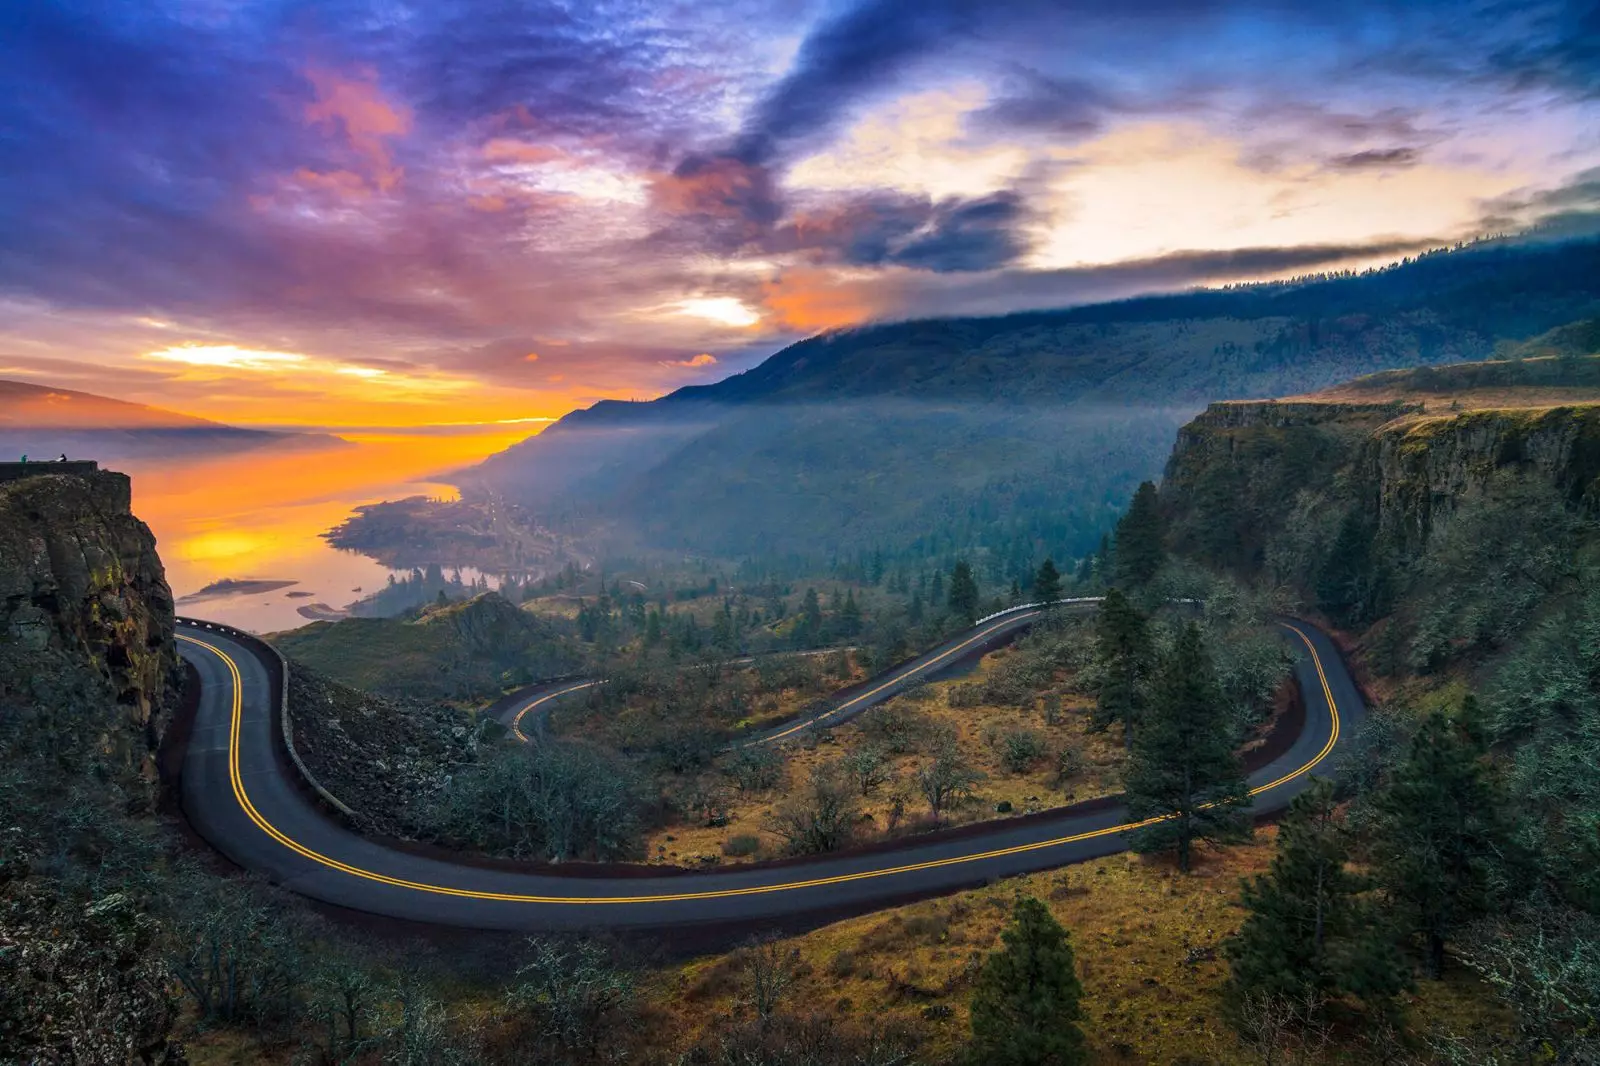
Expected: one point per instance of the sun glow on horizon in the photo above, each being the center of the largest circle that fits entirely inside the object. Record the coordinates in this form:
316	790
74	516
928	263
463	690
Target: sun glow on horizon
228	356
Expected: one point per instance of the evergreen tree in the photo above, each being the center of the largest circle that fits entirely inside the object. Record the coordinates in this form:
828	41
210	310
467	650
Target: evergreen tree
1140	549
810	629
850	616
1047	583
1184	769
1025	1001
1350	583
914	610
652	628
722	635
1122	645
963	593
1441	838
1308	931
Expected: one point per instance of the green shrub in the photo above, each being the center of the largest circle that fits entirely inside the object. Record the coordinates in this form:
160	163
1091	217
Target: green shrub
741	845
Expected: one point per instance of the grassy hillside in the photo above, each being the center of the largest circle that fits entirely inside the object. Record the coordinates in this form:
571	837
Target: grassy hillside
464	651
1018	436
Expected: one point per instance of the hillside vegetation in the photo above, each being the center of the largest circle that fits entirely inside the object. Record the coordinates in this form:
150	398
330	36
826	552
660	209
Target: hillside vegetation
457	651
1015	437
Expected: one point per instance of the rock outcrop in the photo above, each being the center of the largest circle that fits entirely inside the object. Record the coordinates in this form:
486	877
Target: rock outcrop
79	576
1239	469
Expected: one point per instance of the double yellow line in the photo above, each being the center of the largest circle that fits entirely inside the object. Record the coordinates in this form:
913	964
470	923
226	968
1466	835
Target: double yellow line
295	846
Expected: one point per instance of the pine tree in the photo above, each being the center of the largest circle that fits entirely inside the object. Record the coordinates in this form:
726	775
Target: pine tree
652	628
1184	769
1140	548
1308	930
810	629
850	616
1122	646
963	593
1350	582
722	635
1047	583
1025	1001
1441	836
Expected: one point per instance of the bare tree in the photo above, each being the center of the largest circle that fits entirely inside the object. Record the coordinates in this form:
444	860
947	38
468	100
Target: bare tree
821	818
768	969
868	768
946	781
1283	1031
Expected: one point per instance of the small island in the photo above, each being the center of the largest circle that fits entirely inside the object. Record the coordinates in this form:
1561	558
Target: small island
232	586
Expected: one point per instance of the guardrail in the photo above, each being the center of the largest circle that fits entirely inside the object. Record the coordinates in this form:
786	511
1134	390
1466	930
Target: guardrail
286	724
1036	606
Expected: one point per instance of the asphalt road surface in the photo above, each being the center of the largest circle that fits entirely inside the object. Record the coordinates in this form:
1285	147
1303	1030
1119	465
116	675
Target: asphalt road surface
242	796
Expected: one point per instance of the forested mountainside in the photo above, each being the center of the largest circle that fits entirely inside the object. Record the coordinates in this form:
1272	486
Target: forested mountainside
1017	437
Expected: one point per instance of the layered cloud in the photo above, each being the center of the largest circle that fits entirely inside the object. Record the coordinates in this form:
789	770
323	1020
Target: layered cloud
272	211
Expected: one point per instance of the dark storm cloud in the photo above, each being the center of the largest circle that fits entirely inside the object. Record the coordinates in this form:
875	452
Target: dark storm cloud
1376	159
1558	47
868	46
1571	209
953	235
1066	108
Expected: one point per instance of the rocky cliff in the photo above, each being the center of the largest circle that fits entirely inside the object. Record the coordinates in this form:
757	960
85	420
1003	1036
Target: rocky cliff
1462	505
80	580
1241	473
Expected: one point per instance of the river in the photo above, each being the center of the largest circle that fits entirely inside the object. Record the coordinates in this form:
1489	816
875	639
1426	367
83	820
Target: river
259	516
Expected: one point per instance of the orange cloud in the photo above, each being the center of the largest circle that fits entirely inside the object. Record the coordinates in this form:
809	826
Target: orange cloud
814	299
510	150
719	187
342	183
704	359
358	107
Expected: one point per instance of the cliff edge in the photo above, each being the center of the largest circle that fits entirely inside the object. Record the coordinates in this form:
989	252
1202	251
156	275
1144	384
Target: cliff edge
80	578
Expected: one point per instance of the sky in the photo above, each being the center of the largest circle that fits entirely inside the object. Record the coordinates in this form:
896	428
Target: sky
377	213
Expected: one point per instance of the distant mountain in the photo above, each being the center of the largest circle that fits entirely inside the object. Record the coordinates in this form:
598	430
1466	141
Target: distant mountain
42	421
1010	437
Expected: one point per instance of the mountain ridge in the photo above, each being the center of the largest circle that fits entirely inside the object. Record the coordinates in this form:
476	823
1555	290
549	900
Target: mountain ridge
1043	420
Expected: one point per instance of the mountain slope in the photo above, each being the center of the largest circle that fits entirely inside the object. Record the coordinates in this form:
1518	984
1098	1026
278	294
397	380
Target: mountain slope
1018	435
43	421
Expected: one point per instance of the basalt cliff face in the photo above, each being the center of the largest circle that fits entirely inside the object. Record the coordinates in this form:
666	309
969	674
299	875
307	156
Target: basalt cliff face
1242	476
81	585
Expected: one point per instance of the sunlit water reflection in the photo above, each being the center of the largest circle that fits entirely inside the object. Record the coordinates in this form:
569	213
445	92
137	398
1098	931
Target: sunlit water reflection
259	516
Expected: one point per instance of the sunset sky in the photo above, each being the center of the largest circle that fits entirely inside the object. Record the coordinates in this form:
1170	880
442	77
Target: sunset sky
345	213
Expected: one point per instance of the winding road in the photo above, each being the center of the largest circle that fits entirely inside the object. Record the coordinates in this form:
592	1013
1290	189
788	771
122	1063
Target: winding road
241	793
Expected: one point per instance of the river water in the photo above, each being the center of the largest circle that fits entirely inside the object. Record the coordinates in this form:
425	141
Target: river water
258	516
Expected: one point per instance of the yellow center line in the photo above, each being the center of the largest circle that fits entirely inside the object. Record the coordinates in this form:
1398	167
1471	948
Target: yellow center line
724	893
516	723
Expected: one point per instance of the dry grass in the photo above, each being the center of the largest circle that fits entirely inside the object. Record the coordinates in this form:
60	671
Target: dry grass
1149	950
1509	397
976	730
